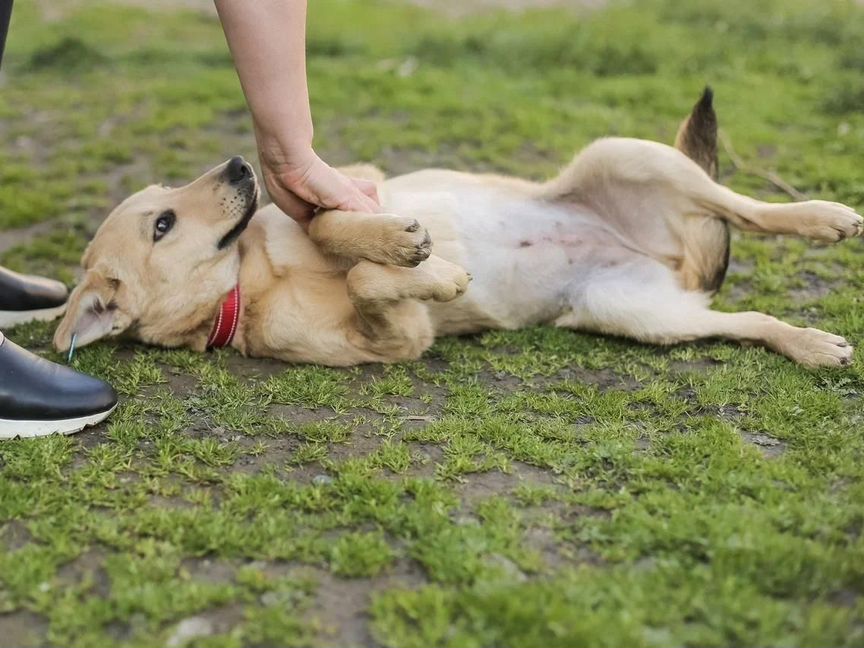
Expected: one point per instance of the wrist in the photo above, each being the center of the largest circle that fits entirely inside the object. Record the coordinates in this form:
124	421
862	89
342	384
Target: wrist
291	152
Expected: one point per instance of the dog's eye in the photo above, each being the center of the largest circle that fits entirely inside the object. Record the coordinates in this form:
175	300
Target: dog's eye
163	224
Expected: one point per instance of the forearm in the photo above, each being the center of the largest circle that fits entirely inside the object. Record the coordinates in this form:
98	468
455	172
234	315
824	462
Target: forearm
267	39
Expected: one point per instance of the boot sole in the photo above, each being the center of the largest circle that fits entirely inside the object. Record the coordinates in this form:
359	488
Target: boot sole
13	318
10	429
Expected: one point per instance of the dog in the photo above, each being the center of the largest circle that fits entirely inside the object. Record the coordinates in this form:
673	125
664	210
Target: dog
631	239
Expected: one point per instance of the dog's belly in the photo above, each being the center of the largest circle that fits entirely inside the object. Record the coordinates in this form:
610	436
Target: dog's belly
526	256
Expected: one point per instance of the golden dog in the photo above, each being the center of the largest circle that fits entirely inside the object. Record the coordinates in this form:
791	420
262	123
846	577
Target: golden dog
630	239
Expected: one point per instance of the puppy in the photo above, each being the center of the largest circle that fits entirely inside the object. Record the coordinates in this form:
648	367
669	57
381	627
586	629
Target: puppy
630	239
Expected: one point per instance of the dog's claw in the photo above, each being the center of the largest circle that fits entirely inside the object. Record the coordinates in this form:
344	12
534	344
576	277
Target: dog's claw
422	255
407	242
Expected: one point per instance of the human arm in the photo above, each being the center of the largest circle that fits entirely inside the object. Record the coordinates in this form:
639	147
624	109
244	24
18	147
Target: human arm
267	39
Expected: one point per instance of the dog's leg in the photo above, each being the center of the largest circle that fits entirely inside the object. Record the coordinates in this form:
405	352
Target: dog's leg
819	220
393	324
382	238
627	179
643	301
372	285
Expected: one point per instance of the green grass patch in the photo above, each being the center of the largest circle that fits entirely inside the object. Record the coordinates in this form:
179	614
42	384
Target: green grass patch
527	488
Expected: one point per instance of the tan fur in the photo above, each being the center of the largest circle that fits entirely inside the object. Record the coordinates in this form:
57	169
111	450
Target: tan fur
627	240
706	240
697	135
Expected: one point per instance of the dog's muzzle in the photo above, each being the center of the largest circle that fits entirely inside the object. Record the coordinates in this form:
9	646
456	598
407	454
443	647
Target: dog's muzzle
240	176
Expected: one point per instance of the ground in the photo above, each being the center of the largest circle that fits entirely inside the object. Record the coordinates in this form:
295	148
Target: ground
532	488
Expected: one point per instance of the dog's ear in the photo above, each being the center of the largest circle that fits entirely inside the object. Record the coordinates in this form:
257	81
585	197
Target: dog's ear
95	310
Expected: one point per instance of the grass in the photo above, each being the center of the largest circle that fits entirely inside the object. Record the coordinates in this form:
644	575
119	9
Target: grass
530	488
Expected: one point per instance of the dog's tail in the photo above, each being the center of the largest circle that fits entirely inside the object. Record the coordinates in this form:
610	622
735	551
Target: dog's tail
706	239
697	135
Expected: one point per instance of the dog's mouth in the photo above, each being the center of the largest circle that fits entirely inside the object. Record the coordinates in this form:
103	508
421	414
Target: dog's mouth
251	207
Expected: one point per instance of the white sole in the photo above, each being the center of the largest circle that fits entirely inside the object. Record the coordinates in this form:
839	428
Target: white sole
13	318
29	429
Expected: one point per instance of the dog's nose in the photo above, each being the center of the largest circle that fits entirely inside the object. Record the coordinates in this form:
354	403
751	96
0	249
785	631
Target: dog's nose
237	170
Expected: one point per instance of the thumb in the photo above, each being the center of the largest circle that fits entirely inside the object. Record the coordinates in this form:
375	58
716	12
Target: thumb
294	206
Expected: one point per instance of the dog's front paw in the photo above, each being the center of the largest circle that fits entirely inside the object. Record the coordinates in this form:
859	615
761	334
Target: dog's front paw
814	348
405	242
449	280
830	221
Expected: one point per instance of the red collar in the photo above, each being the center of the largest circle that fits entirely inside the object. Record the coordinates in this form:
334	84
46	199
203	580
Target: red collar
225	325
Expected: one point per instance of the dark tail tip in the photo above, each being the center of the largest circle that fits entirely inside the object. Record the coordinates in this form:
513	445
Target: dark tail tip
697	136
706	101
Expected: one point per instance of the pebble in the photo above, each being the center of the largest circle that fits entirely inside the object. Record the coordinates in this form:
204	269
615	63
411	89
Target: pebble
509	568
187	629
271	599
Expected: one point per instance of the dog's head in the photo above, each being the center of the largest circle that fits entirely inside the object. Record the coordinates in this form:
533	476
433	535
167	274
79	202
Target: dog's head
162	258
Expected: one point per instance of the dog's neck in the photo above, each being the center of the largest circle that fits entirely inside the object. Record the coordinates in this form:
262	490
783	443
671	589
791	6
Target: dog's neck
223	324
227	321
194	322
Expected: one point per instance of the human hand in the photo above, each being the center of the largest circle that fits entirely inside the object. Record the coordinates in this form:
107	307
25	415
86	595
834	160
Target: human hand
300	183
268	43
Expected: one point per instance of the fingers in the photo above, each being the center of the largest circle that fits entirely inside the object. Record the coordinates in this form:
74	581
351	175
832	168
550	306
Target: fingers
368	188
298	191
360	195
363	203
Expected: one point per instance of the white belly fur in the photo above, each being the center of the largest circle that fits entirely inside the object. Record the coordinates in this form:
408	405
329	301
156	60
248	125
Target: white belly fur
526	256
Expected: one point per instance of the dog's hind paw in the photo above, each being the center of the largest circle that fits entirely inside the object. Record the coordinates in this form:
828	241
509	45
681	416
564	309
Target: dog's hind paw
830	221
814	348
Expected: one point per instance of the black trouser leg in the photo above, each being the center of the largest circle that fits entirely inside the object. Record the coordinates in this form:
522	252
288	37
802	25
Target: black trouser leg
5	12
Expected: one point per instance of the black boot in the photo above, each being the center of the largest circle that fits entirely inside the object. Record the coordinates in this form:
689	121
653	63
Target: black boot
24	298
38	397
